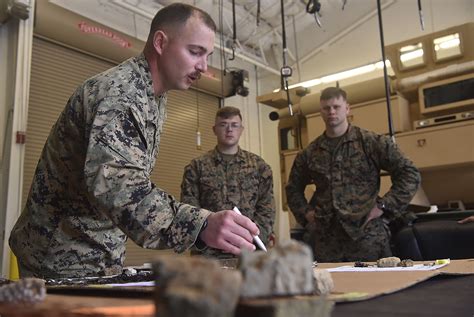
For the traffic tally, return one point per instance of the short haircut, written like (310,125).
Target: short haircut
(227,112)
(332,92)
(176,15)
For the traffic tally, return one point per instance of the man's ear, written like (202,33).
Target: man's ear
(160,40)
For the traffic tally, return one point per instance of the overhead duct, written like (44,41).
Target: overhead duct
(356,93)
(409,84)
(70,29)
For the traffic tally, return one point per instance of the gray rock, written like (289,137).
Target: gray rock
(323,283)
(285,270)
(195,286)
(406,263)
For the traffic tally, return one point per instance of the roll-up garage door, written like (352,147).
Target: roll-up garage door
(57,71)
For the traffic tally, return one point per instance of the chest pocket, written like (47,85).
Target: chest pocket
(210,189)
(249,190)
(359,165)
(320,169)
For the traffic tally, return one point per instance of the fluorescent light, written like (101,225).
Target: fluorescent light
(410,48)
(338,76)
(446,38)
(447,44)
(411,55)
(307,84)
(379,65)
(349,73)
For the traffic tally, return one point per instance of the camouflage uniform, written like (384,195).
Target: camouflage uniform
(245,181)
(92,188)
(347,180)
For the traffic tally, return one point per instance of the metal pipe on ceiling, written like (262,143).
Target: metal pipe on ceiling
(248,59)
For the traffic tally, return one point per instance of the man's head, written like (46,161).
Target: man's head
(180,41)
(228,127)
(334,107)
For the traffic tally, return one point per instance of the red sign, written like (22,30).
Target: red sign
(84,27)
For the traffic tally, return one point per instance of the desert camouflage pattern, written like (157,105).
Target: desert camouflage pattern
(347,183)
(92,188)
(245,181)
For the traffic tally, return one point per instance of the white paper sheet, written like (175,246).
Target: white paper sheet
(135,284)
(416,267)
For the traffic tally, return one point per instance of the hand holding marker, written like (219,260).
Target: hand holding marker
(255,238)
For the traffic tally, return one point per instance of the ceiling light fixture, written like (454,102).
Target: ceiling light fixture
(357,71)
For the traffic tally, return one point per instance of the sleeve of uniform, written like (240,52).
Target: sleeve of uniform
(297,181)
(115,171)
(190,185)
(264,215)
(404,175)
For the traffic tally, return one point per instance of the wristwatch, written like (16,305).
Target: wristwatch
(381,205)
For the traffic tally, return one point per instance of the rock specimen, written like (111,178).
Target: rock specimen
(323,283)
(26,291)
(391,261)
(195,286)
(406,263)
(284,270)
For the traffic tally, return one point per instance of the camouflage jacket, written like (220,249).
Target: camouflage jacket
(245,181)
(347,179)
(91,188)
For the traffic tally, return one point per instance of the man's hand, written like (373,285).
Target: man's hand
(466,220)
(230,232)
(373,214)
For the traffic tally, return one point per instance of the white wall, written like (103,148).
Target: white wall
(8,38)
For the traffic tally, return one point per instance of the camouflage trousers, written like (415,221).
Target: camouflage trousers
(331,243)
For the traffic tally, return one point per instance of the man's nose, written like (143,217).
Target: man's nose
(202,65)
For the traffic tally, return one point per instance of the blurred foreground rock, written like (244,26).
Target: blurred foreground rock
(25,291)
(285,270)
(195,286)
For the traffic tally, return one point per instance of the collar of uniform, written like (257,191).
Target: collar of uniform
(218,156)
(145,70)
(349,135)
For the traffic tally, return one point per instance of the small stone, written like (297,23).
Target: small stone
(391,261)
(406,263)
(195,286)
(323,282)
(361,264)
(285,270)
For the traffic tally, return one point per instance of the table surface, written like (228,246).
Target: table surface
(442,295)
(450,293)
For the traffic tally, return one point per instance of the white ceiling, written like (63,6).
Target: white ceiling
(260,44)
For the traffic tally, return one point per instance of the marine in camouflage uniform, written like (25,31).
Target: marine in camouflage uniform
(91,188)
(346,172)
(218,182)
